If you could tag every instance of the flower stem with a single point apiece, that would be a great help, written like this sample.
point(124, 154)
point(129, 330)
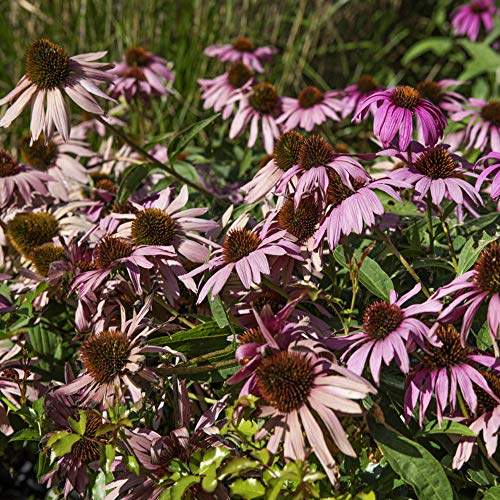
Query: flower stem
point(173, 312)
point(188, 370)
point(403, 261)
point(446, 231)
point(153, 160)
point(210, 355)
point(430, 228)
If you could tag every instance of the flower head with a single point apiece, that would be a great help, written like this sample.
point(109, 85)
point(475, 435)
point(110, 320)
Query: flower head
point(51, 74)
point(489, 170)
point(438, 94)
point(468, 18)
point(354, 95)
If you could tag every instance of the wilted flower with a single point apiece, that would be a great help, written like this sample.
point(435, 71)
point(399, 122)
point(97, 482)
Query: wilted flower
point(51, 73)
point(243, 50)
point(468, 18)
point(141, 74)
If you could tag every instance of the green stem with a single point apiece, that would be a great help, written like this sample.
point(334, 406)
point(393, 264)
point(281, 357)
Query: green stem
point(187, 370)
point(403, 261)
point(430, 228)
point(210, 355)
point(446, 230)
point(173, 312)
point(275, 288)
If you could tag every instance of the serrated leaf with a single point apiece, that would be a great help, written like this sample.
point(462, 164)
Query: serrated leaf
point(413, 463)
point(25, 435)
point(447, 427)
point(248, 488)
point(438, 44)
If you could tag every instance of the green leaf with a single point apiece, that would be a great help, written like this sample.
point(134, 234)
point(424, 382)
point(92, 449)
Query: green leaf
point(371, 275)
point(406, 209)
point(79, 425)
point(238, 466)
point(43, 341)
point(469, 254)
point(447, 427)
point(483, 337)
point(248, 488)
point(211, 458)
point(182, 485)
point(25, 435)
point(413, 463)
point(218, 312)
point(483, 59)
point(209, 483)
point(63, 445)
point(440, 45)
point(492, 493)
point(180, 140)
point(131, 179)
point(132, 464)
point(98, 492)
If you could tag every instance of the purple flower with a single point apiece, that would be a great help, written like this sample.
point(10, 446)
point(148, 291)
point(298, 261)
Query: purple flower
point(467, 19)
point(354, 95)
point(482, 284)
point(51, 74)
point(246, 252)
point(446, 367)
point(218, 93)
point(310, 109)
point(494, 168)
point(396, 108)
point(437, 93)
point(354, 206)
point(242, 50)
point(262, 104)
point(141, 74)
point(483, 129)
point(436, 172)
point(389, 331)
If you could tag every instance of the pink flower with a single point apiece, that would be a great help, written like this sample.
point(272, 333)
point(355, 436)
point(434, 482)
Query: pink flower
point(243, 50)
point(396, 108)
point(141, 74)
point(474, 288)
point(483, 129)
point(262, 105)
point(218, 93)
point(467, 19)
point(494, 168)
point(389, 331)
point(446, 366)
point(246, 252)
point(354, 95)
point(437, 94)
point(436, 172)
point(51, 74)
point(310, 109)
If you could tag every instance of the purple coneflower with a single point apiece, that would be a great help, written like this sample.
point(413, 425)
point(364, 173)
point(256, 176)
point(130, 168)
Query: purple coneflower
point(351, 208)
point(218, 93)
point(483, 129)
point(53, 157)
point(482, 284)
point(437, 93)
point(242, 50)
point(114, 361)
point(467, 19)
point(20, 185)
point(487, 423)
point(247, 252)
point(447, 367)
point(354, 95)
point(261, 104)
point(494, 168)
point(388, 331)
point(301, 390)
point(436, 172)
point(141, 74)
point(50, 74)
point(311, 108)
point(396, 108)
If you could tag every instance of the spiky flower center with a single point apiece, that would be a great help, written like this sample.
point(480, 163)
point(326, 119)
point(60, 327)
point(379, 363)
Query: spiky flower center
point(366, 84)
point(136, 56)
point(478, 7)
point(381, 319)
point(264, 98)
point(287, 149)
point(8, 166)
point(39, 155)
point(337, 191)
point(405, 97)
point(451, 353)
point(315, 152)
point(239, 74)
point(44, 255)
point(491, 113)
point(436, 163)
point(300, 221)
point(252, 336)
point(28, 231)
point(431, 91)
point(310, 96)
point(487, 269)
point(285, 380)
point(47, 64)
point(243, 44)
point(106, 185)
point(239, 243)
point(153, 227)
point(268, 298)
point(136, 73)
point(87, 448)
point(485, 402)
point(109, 249)
point(105, 355)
